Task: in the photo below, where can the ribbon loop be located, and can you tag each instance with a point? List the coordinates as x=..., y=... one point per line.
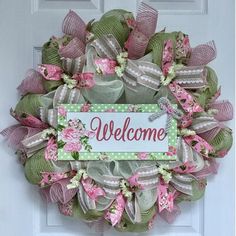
x=144, y=28
x=73, y=66
x=65, y=95
x=73, y=25
x=33, y=83
x=203, y=54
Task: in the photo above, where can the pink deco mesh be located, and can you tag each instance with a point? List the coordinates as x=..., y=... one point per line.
x=32, y=83
x=146, y=23
x=225, y=110
x=58, y=192
x=203, y=54
x=75, y=48
x=73, y=25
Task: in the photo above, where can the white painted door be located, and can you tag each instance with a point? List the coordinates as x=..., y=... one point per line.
x=24, y=26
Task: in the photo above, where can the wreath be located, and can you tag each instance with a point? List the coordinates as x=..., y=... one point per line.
x=120, y=59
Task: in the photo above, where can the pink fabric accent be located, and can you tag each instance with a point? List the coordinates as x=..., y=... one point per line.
x=74, y=25
x=51, y=150
x=186, y=46
x=186, y=168
x=186, y=121
x=114, y=214
x=185, y=99
x=167, y=57
x=199, y=145
x=106, y=66
x=211, y=167
x=133, y=180
x=170, y=217
x=165, y=198
x=31, y=121
x=225, y=110
x=50, y=72
x=131, y=23
x=203, y=54
x=145, y=26
x=75, y=48
x=51, y=177
x=91, y=189
x=58, y=192
x=32, y=83
x=85, y=80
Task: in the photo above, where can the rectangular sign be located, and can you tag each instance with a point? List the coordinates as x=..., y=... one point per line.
x=114, y=132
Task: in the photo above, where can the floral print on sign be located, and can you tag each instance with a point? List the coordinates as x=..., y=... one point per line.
x=62, y=111
x=172, y=151
x=74, y=138
x=142, y=155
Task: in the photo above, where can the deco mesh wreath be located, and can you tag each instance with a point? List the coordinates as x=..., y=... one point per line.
x=120, y=59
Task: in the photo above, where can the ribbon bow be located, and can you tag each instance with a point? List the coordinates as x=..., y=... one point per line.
x=111, y=183
x=146, y=73
x=167, y=108
x=77, y=80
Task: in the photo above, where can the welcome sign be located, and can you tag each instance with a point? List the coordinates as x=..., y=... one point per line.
x=114, y=132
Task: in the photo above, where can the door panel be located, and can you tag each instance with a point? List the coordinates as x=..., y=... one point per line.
x=26, y=25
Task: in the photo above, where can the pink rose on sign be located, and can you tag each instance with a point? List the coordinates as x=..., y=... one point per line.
x=72, y=147
x=172, y=151
x=77, y=124
x=85, y=107
x=89, y=134
x=51, y=150
x=62, y=111
x=142, y=155
x=70, y=134
x=73, y=123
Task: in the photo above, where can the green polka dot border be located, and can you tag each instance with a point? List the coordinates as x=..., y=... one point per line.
x=118, y=156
